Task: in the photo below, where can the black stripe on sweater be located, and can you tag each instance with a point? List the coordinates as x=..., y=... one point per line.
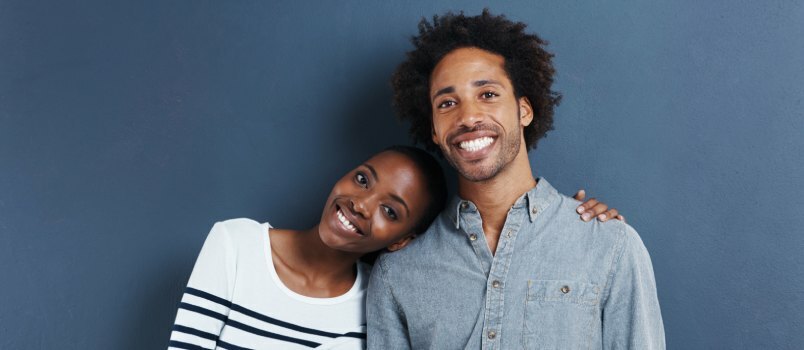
x=267, y=334
x=203, y=311
x=195, y=332
x=210, y=297
x=183, y=345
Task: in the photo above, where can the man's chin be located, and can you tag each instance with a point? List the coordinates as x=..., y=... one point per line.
x=477, y=173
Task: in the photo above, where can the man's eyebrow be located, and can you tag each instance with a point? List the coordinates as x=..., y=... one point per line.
x=476, y=83
x=446, y=90
x=479, y=83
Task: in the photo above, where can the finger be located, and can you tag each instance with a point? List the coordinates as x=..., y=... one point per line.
x=599, y=209
x=621, y=218
x=586, y=205
x=611, y=213
x=593, y=210
x=580, y=195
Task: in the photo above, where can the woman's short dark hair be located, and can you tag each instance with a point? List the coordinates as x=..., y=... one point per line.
x=527, y=64
x=435, y=184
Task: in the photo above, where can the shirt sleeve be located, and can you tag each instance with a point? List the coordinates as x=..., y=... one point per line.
x=387, y=328
x=631, y=315
x=205, y=305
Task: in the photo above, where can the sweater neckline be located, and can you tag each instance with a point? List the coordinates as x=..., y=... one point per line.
x=356, y=287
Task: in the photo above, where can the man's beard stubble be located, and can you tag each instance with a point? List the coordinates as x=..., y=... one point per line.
x=509, y=149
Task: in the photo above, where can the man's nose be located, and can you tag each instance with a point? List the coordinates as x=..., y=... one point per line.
x=470, y=114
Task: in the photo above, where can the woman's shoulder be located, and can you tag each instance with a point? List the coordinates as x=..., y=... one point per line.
x=240, y=230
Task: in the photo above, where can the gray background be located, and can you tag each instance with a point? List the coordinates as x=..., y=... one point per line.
x=128, y=128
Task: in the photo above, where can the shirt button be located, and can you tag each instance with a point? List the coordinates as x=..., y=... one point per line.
x=492, y=334
x=495, y=284
x=473, y=237
x=464, y=205
x=565, y=289
x=533, y=210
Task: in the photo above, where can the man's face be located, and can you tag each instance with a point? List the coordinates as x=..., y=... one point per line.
x=477, y=119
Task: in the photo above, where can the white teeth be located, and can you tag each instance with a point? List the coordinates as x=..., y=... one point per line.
x=476, y=144
x=345, y=222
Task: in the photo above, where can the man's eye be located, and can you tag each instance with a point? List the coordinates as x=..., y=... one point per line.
x=390, y=212
x=361, y=179
x=445, y=104
x=489, y=94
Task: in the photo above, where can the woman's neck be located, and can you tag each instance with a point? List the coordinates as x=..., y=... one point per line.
x=308, y=266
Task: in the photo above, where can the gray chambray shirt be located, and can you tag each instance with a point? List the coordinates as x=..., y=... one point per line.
x=556, y=282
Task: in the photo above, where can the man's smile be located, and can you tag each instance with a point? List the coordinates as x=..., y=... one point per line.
x=476, y=144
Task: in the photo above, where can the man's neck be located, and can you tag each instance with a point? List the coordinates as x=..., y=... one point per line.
x=495, y=197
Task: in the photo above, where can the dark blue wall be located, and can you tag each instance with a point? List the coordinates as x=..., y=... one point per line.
x=126, y=130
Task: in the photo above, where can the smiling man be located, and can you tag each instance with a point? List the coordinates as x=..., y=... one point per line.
x=507, y=264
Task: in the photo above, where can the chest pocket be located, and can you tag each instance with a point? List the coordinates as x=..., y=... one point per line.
x=560, y=314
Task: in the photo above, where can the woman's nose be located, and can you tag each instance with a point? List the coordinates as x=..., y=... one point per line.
x=359, y=206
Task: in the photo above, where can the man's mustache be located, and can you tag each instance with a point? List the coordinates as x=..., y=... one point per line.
x=466, y=130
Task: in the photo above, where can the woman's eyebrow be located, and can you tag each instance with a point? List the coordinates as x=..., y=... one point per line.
x=371, y=169
x=393, y=196
x=402, y=202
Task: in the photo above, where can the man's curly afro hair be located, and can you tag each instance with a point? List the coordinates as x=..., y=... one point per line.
x=527, y=64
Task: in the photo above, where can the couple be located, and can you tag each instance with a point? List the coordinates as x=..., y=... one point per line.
x=505, y=264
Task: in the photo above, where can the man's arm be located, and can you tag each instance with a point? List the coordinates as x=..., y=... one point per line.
x=631, y=315
x=387, y=328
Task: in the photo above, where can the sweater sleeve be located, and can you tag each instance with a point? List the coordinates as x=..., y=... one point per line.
x=204, y=308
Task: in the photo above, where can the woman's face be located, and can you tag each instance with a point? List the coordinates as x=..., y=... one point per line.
x=374, y=206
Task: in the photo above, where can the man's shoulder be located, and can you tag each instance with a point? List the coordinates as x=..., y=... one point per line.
x=567, y=223
x=426, y=246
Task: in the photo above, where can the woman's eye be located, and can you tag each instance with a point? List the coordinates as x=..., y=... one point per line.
x=445, y=104
x=390, y=212
x=489, y=94
x=361, y=179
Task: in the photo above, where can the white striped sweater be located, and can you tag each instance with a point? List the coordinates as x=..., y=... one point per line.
x=235, y=300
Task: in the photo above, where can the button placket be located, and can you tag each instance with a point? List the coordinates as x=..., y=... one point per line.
x=495, y=298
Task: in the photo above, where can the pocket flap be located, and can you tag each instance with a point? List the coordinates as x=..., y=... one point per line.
x=564, y=291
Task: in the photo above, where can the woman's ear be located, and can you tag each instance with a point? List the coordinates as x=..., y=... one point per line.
x=401, y=243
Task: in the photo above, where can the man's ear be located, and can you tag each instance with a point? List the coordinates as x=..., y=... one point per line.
x=433, y=135
x=525, y=111
x=401, y=243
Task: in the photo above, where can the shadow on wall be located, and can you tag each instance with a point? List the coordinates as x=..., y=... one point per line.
x=152, y=317
x=368, y=126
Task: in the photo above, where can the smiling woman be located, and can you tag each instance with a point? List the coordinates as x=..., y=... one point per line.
x=254, y=286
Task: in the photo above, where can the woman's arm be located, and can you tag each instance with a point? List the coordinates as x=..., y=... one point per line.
x=204, y=308
x=594, y=208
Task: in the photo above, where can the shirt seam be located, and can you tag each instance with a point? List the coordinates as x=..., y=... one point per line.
x=615, y=263
x=384, y=278
x=230, y=254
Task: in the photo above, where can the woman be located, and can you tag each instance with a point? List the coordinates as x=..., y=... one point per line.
x=258, y=287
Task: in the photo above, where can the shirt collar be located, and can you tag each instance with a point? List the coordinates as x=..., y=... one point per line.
x=536, y=200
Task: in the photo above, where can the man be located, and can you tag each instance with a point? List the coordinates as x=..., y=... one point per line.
x=507, y=264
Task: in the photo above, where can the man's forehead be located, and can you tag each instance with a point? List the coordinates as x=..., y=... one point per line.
x=469, y=66
x=471, y=58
